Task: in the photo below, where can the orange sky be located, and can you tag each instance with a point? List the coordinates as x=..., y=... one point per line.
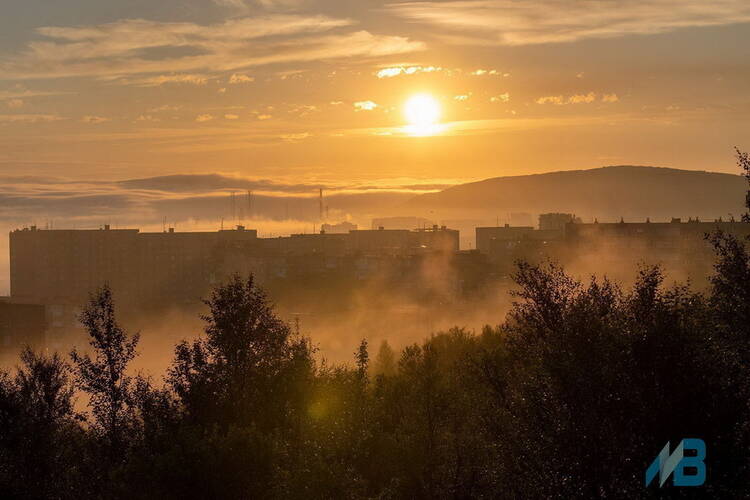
x=314, y=90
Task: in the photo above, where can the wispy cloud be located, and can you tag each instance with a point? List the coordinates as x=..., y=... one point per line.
x=238, y=78
x=488, y=72
x=392, y=71
x=156, y=81
x=296, y=137
x=582, y=98
x=28, y=118
x=94, y=119
x=243, y=6
x=364, y=106
x=551, y=99
x=587, y=98
x=133, y=47
x=25, y=93
x=513, y=22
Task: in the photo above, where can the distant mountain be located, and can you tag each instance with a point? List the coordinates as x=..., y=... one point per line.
x=606, y=193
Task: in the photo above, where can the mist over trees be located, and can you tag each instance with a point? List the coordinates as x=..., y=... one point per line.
x=571, y=396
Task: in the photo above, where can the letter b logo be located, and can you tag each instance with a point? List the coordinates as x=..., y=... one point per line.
x=665, y=464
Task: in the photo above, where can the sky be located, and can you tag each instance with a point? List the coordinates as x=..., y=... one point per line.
x=138, y=111
x=315, y=89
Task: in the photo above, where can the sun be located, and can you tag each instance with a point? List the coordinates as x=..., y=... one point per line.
x=422, y=112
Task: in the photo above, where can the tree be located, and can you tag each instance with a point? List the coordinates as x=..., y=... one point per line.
x=385, y=361
x=39, y=429
x=362, y=357
x=743, y=161
x=246, y=368
x=45, y=387
x=593, y=378
x=730, y=282
x=243, y=389
x=104, y=376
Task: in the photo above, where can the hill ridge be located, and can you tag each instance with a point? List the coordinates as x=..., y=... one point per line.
x=611, y=190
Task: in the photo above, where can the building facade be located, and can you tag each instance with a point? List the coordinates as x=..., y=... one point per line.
x=62, y=267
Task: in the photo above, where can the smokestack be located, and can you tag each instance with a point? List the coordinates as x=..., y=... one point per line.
x=249, y=204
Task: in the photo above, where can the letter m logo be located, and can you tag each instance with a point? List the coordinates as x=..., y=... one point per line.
x=665, y=464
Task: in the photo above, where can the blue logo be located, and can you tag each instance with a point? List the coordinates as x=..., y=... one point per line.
x=666, y=464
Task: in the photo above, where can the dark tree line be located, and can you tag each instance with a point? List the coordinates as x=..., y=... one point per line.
x=572, y=396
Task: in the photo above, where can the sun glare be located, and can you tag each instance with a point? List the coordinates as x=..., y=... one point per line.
x=422, y=112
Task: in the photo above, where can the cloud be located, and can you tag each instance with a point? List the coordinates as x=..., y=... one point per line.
x=135, y=47
x=295, y=137
x=210, y=183
x=239, y=5
x=231, y=117
x=264, y=117
x=25, y=94
x=156, y=81
x=243, y=6
x=389, y=72
x=462, y=97
x=204, y=118
x=364, y=106
x=29, y=118
x=236, y=79
x=551, y=99
x=582, y=98
x=94, y=119
x=483, y=72
x=303, y=109
x=405, y=70
x=512, y=22
x=610, y=98
x=165, y=107
x=559, y=100
x=207, y=183
x=83, y=209
x=500, y=98
x=14, y=103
